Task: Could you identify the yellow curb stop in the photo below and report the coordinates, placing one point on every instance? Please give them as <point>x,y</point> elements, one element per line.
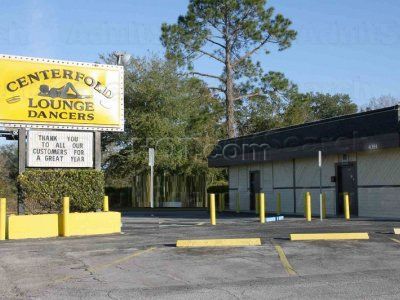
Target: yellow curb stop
<point>329,236</point>
<point>219,243</point>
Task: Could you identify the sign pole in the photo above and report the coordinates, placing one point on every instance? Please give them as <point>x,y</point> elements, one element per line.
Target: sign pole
<point>320,183</point>
<point>151,164</point>
<point>152,187</point>
<point>21,150</point>
<point>21,165</point>
<point>97,150</point>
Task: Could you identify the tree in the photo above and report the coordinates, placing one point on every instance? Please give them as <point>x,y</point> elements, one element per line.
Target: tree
<point>176,116</point>
<point>316,106</point>
<point>267,111</point>
<point>8,174</point>
<point>230,33</point>
<point>292,109</point>
<point>381,102</point>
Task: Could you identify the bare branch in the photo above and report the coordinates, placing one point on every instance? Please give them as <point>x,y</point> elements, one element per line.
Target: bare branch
<point>215,26</point>
<point>217,89</point>
<point>215,43</point>
<point>248,96</point>
<point>207,75</point>
<point>193,50</point>
<point>211,55</point>
<point>251,52</point>
<point>282,95</point>
<point>217,37</point>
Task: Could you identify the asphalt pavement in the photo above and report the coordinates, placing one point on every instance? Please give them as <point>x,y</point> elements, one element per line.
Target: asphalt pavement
<point>144,263</point>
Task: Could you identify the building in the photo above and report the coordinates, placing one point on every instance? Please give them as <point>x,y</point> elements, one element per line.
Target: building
<point>360,155</point>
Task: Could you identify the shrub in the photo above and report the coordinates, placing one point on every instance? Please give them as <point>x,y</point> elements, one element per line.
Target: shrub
<point>217,189</point>
<point>8,175</point>
<point>43,190</point>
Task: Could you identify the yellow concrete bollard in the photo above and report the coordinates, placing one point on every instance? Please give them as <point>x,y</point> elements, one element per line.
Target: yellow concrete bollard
<point>262,208</point>
<point>278,204</point>
<point>323,206</point>
<point>65,216</point>
<point>257,203</point>
<point>212,210</point>
<point>105,204</point>
<point>3,217</point>
<point>238,202</point>
<point>308,207</point>
<point>305,204</point>
<point>346,206</point>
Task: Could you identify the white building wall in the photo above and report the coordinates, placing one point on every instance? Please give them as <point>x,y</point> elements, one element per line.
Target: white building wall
<point>243,188</point>
<point>378,175</point>
<point>379,167</point>
<point>378,178</point>
<point>239,186</point>
<point>233,186</point>
<point>283,183</point>
<point>330,201</point>
<point>308,180</point>
<point>287,202</point>
<point>267,186</point>
<point>283,174</point>
<point>239,182</point>
<point>307,171</point>
<point>379,202</point>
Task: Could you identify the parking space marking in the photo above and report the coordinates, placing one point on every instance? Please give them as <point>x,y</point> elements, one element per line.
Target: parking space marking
<point>182,225</point>
<point>105,266</point>
<point>120,260</point>
<point>285,263</point>
<point>395,240</point>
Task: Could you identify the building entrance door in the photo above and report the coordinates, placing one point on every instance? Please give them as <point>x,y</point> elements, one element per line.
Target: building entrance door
<point>255,187</point>
<point>346,182</point>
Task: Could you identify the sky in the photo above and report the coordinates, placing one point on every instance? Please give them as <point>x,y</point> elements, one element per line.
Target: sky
<point>343,46</point>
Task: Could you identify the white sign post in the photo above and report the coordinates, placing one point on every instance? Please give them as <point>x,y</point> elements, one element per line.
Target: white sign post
<point>320,183</point>
<point>151,164</point>
<point>60,149</point>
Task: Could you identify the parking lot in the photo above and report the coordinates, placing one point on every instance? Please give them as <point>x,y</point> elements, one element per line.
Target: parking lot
<point>143,262</point>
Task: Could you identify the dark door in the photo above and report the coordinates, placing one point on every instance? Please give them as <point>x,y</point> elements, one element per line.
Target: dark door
<point>255,187</point>
<point>347,183</point>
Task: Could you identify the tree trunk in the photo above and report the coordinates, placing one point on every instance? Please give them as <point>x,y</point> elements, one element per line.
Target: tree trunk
<point>230,111</point>
<point>229,97</point>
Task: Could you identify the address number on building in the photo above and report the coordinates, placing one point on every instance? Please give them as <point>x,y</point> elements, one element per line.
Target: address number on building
<point>60,149</point>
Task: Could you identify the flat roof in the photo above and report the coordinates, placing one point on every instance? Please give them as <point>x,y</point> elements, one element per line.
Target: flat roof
<point>363,131</point>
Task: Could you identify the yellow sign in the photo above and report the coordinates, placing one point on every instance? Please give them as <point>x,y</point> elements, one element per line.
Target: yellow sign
<point>43,93</point>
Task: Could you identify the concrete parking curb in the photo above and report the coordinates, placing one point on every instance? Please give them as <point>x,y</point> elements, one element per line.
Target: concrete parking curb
<point>219,243</point>
<point>329,236</point>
